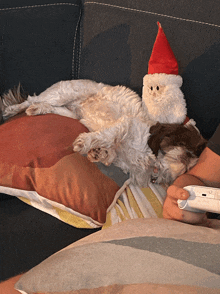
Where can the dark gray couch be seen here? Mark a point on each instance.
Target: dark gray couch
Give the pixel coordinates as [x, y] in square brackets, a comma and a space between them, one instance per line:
[109, 41]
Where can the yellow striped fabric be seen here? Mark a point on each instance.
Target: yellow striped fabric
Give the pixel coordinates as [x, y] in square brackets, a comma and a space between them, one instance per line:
[130, 202]
[134, 202]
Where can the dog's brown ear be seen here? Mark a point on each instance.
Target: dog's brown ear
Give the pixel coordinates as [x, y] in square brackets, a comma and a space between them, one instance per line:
[155, 138]
[201, 146]
[197, 141]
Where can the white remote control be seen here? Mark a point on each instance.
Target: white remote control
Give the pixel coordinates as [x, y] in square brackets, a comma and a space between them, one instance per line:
[201, 199]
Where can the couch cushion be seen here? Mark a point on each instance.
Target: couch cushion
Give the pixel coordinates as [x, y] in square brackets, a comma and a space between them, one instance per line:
[38, 165]
[29, 236]
[136, 256]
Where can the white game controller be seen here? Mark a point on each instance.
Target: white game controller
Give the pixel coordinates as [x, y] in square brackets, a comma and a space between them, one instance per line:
[201, 199]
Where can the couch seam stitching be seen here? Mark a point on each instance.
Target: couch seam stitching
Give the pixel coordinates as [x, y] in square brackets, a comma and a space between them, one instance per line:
[153, 13]
[49, 5]
[36, 6]
[74, 48]
[80, 46]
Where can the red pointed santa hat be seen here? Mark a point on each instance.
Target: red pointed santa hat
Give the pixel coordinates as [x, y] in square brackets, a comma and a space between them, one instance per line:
[163, 69]
[162, 59]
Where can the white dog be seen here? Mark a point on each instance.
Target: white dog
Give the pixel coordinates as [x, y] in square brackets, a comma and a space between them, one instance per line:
[119, 125]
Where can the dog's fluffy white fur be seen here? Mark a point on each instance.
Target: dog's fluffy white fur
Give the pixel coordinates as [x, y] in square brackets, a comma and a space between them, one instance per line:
[119, 126]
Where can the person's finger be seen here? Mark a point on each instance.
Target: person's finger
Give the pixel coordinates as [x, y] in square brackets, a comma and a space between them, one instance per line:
[173, 212]
[177, 192]
[171, 209]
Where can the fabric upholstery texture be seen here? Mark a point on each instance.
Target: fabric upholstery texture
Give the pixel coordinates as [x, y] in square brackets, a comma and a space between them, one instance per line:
[42, 170]
[29, 236]
[133, 202]
[39, 43]
[133, 256]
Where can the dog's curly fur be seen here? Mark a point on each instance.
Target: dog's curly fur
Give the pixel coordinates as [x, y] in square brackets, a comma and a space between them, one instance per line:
[120, 129]
[177, 148]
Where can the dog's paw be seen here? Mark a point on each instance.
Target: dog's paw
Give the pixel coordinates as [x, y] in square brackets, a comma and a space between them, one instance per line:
[82, 143]
[97, 154]
[106, 156]
[39, 108]
[32, 110]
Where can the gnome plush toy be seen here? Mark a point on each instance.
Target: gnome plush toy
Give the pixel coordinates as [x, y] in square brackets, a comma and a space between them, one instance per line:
[161, 86]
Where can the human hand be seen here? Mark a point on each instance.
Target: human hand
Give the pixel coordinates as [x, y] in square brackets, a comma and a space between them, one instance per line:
[173, 212]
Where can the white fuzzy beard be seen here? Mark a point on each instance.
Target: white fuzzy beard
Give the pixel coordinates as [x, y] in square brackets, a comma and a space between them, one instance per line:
[163, 98]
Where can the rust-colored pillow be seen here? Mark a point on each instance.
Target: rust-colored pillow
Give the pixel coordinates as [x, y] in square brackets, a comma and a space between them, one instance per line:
[38, 165]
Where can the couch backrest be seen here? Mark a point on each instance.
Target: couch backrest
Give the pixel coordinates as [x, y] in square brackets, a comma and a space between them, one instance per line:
[111, 41]
[118, 39]
[39, 43]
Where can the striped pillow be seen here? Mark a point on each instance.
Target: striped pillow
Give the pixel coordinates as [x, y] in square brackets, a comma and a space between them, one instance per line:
[136, 256]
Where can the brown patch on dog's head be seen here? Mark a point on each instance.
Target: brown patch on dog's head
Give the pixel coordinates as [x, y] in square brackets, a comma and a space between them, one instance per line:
[166, 136]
